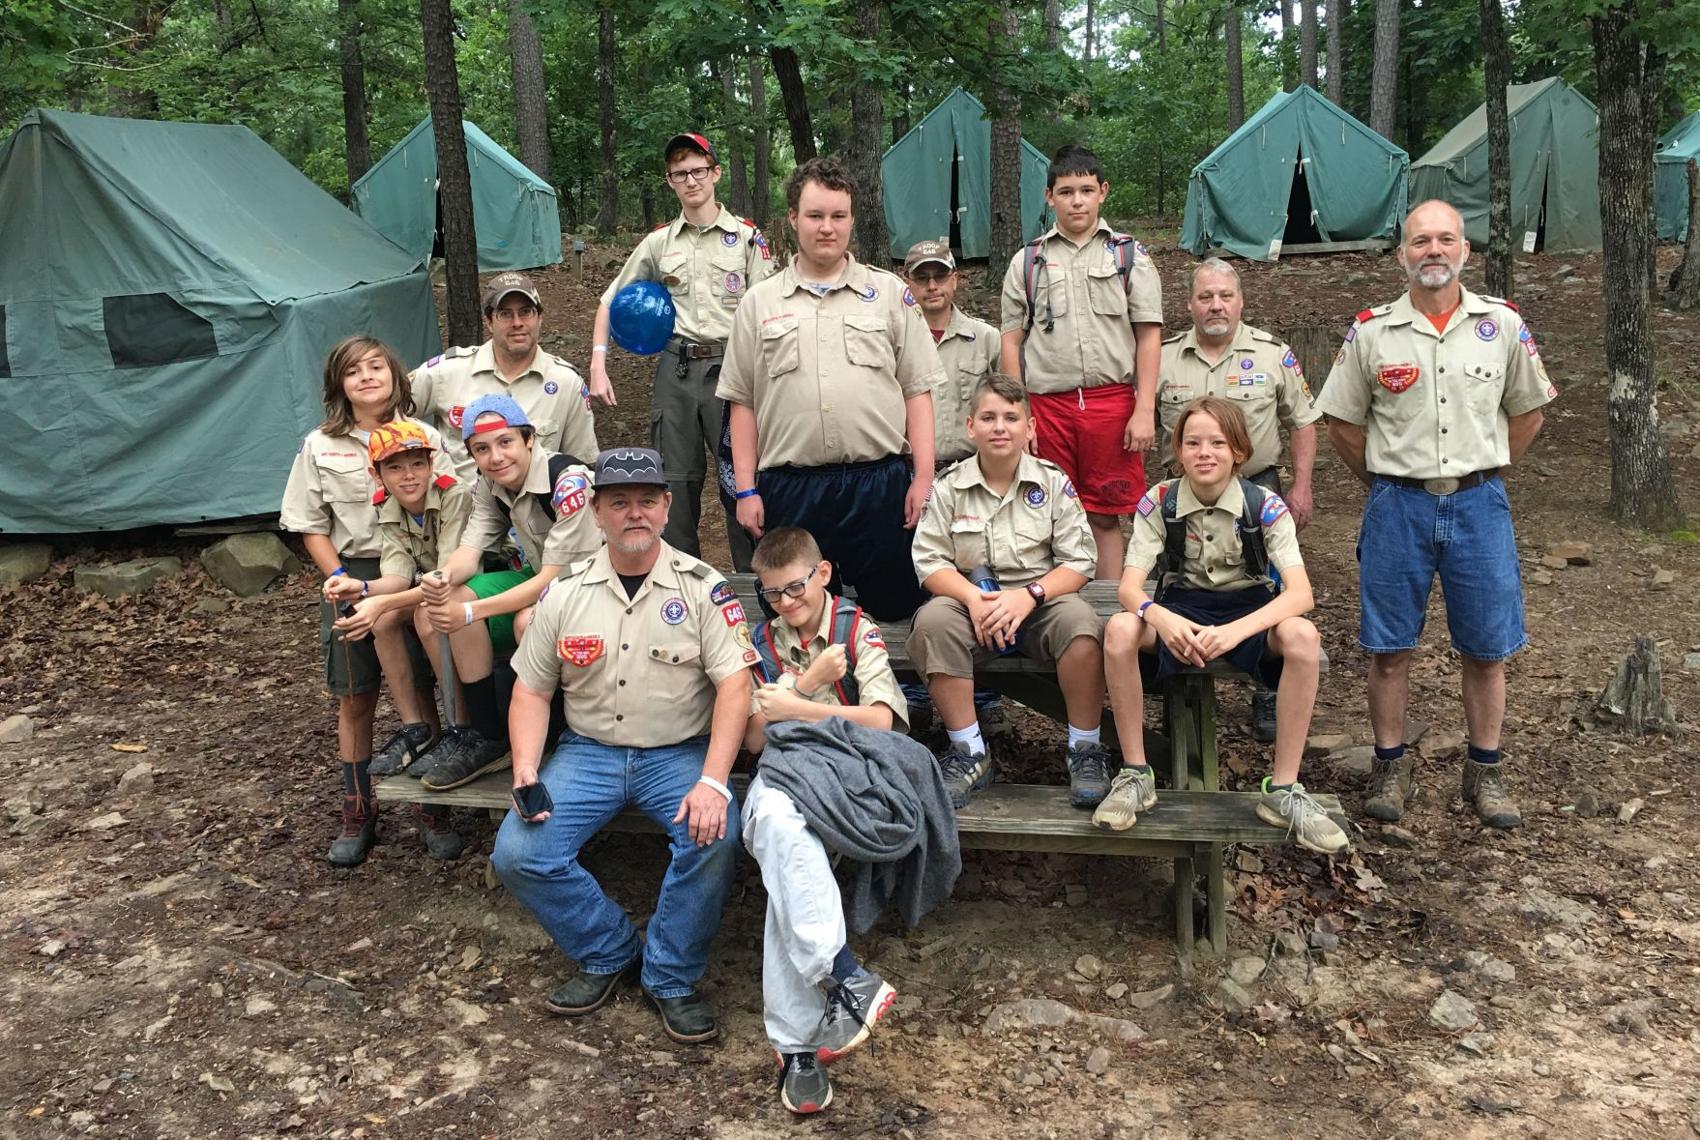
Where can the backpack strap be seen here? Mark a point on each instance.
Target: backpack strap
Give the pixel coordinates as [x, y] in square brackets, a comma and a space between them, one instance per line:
[1253, 548]
[557, 465]
[1032, 262]
[1173, 558]
[846, 631]
[1122, 246]
[767, 665]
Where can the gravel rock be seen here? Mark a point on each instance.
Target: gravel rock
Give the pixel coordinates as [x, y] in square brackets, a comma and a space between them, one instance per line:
[257, 1006]
[16, 729]
[1322, 744]
[1587, 805]
[1027, 1013]
[1116, 992]
[24, 562]
[138, 781]
[116, 579]
[1629, 810]
[1395, 836]
[245, 564]
[1489, 967]
[1663, 578]
[1478, 1042]
[105, 822]
[1322, 940]
[1150, 999]
[1573, 552]
[1453, 1012]
[1088, 967]
[1356, 760]
[1245, 971]
[1537, 902]
[1691, 661]
[1442, 742]
[1233, 996]
[19, 807]
[1291, 943]
[1098, 1061]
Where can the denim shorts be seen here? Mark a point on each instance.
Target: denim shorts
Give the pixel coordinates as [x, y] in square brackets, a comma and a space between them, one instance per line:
[1407, 537]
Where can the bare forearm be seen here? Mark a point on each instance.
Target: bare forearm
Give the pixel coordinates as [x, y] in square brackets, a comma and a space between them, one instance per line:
[1348, 442]
[1009, 352]
[1302, 443]
[1147, 357]
[1521, 431]
[513, 600]
[528, 730]
[950, 583]
[1060, 581]
[323, 553]
[726, 729]
[744, 446]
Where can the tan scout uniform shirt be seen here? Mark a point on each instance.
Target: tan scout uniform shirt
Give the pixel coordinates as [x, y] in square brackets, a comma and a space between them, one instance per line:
[1214, 559]
[413, 548]
[550, 392]
[636, 672]
[1037, 526]
[330, 490]
[1436, 404]
[557, 537]
[827, 375]
[876, 684]
[707, 269]
[968, 350]
[1259, 374]
[1078, 287]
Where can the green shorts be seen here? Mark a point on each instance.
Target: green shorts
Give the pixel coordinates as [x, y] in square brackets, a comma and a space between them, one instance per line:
[502, 625]
[351, 667]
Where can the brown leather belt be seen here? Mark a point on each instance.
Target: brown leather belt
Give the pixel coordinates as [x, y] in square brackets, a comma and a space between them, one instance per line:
[1445, 486]
[693, 350]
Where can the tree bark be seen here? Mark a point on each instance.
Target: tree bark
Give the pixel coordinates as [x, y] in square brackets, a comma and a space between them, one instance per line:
[734, 141]
[1307, 42]
[1642, 489]
[1496, 65]
[531, 103]
[357, 147]
[761, 189]
[867, 136]
[1384, 80]
[1091, 31]
[454, 180]
[608, 216]
[1236, 67]
[900, 122]
[1289, 60]
[795, 99]
[1336, 74]
[1634, 699]
[1162, 27]
[1005, 159]
[1685, 282]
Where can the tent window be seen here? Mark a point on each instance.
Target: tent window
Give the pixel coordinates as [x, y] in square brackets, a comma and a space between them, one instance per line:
[5, 360]
[150, 329]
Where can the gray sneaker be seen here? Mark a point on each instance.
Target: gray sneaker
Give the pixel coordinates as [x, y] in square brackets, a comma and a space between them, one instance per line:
[1132, 791]
[964, 774]
[803, 1085]
[1088, 774]
[852, 1009]
[1292, 808]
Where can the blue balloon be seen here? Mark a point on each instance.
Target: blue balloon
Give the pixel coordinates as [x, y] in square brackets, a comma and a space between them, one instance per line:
[641, 317]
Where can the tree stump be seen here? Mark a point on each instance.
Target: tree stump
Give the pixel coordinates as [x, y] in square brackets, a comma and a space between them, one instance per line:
[1635, 700]
[1315, 346]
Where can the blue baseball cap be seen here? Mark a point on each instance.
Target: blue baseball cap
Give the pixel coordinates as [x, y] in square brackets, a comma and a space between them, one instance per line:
[495, 404]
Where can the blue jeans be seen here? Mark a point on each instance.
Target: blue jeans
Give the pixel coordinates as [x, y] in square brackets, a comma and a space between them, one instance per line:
[591, 783]
[1408, 536]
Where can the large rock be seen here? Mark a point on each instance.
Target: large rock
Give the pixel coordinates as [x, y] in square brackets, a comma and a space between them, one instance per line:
[116, 579]
[16, 729]
[24, 562]
[1453, 1011]
[245, 564]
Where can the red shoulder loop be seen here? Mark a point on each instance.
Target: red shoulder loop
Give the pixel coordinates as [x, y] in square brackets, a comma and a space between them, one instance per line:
[1366, 315]
[1162, 489]
[378, 497]
[444, 482]
[1512, 305]
[751, 222]
[661, 227]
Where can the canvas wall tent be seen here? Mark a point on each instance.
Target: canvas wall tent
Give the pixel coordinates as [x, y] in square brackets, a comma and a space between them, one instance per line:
[514, 212]
[1299, 172]
[1555, 168]
[937, 181]
[1670, 176]
[168, 292]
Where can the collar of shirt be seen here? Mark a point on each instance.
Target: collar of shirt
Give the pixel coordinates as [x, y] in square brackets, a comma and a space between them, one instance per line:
[484, 360]
[724, 220]
[786, 639]
[1240, 344]
[391, 510]
[1103, 227]
[968, 474]
[1405, 313]
[663, 575]
[855, 276]
[1232, 500]
[958, 326]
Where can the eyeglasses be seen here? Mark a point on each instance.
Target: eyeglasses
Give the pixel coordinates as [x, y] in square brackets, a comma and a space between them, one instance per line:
[513, 315]
[694, 174]
[929, 278]
[793, 590]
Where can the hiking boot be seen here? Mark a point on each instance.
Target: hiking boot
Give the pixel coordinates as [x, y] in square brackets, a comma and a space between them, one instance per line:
[402, 750]
[586, 993]
[359, 832]
[992, 713]
[1390, 785]
[689, 1019]
[1306, 823]
[1262, 716]
[964, 773]
[474, 755]
[1484, 790]
[441, 839]
[1088, 774]
[803, 1084]
[852, 1009]
[1132, 791]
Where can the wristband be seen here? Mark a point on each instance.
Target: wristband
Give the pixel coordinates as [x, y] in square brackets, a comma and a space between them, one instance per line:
[599, 348]
[750, 494]
[1143, 606]
[469, 613]
[365, 588]
[338, 572]
[717, 786]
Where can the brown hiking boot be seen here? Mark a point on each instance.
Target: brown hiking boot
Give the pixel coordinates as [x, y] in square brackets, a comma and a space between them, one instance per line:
[359, 832]
[1484, 790]
[1390, 786]
[441, 839]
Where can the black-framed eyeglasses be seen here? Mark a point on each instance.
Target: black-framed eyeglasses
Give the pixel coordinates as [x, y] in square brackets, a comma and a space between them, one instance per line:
[791, 590]
[694, 174]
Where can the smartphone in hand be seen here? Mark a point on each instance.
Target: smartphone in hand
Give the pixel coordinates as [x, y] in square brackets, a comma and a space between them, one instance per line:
[532, 800]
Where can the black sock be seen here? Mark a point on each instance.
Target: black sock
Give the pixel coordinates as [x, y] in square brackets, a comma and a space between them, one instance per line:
[1484, 755]
[1397, 752]
[355, 781]
[483, 709]
[844, 964]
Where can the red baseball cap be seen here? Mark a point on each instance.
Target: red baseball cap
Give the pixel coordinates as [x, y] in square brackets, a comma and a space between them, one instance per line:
[692, 141]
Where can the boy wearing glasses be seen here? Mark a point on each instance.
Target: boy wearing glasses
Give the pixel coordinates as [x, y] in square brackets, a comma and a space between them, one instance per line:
[708, 259]
[511, 364]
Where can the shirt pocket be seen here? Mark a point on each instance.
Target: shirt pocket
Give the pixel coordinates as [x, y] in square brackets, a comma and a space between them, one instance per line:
[867, 343]
[675, 273]
[1485, 386]
[675, 671]
[1104, 289]
[343, 479]
[968, 545]
[1050, 296]
[1034, 533]
[727, 279]
[781, 347]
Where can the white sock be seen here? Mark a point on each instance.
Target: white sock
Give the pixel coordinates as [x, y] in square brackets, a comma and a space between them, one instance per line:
[969, 736]
[1084, 736]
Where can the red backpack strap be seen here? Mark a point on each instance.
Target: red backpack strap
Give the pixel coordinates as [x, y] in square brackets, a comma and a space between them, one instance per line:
[846, 631]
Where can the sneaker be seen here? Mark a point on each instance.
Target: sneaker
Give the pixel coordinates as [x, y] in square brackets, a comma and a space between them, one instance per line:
[474, 755]
[803, 1084]
[1291, 807]
[1484, 790]
[403, 749]
[1088, 774]
[1132, 791]
[446, 745]
[964, 774]
[992, 713]
[853, 1007]
[1391, 783]
[586, 993]
[687, 1019]
[441, 839]
[1262, 716]
[359, 832]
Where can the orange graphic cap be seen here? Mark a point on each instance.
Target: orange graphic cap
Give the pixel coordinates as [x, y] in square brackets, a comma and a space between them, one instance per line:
[395, 438]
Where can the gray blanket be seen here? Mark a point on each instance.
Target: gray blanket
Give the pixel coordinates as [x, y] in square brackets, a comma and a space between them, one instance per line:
[877, 798]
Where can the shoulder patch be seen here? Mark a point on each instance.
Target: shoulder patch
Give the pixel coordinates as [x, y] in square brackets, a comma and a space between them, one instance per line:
[571, 493]
[1274, 506]
[444, 482]
[1151, 500]
[433, 361]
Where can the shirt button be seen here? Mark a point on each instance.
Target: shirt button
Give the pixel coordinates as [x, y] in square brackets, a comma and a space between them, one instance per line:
[1443, 368]
[622, 682]
[628, 611]
[623, 646]
[1443, 399]
[1442, 431]
[619, 716]
[675, 657]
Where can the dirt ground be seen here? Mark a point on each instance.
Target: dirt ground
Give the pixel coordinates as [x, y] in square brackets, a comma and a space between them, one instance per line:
[177, 960]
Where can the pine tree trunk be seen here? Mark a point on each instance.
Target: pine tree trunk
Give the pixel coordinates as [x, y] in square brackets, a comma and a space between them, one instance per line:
[1091, 30]
[734, 141]
[357, 148]
[789, 74]
[1384, 81]
[761, 188]
[900, 122]
[608, 216]
[1642, 489]
[1236, 67]
[1685, 282]
[1496, 66]
[1005, 109]
[1336, 75]
[867, 138]
[1289, 57]
[1307, 42]
[454, 180]
[531, 104]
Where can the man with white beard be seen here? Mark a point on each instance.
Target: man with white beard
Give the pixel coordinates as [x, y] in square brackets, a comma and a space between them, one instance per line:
[1430, 399]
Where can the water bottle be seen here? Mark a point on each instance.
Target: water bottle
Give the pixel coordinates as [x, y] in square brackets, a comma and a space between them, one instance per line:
[986, 583]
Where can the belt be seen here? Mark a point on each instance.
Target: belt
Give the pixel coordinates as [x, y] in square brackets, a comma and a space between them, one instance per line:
[1444, 486]
[694, 350]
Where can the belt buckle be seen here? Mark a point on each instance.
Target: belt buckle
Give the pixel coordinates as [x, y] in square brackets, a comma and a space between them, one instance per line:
[1441, 486]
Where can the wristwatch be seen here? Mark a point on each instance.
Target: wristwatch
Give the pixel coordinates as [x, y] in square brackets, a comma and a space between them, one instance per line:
[1037, 592]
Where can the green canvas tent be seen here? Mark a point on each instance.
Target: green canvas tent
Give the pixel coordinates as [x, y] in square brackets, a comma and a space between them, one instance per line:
[938, 181]
[1555, 168]
[1299, 172]
[514, 212]
[1670, 176]
[168, 292]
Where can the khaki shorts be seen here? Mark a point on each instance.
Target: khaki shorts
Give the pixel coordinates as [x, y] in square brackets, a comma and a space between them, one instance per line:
[941, 640]
[351, 667]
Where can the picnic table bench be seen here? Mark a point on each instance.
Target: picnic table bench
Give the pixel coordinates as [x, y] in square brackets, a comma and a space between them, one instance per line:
[1193, 823]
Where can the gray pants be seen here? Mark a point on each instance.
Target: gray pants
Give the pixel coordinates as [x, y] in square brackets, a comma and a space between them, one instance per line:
[684, 426]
